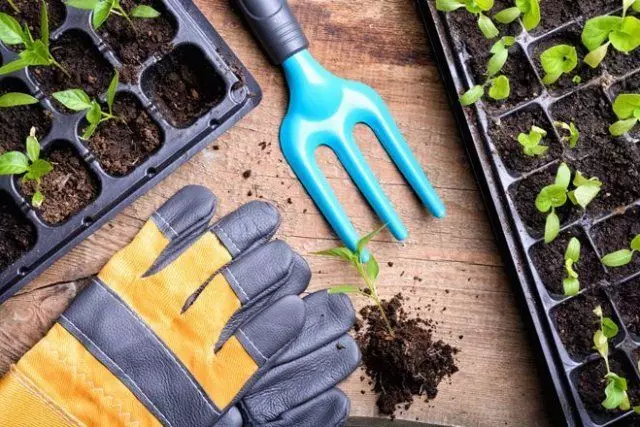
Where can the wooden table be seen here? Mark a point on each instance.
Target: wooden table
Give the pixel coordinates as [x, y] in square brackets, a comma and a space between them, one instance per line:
[452, 264]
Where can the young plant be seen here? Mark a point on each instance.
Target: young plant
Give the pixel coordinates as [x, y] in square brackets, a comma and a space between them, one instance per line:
[16, 99]
[368, 271]
[78, 100]
[574, 134]
[623, 256]
[558, 60]
[29, 165]
[627, 108]
[529, 10]
[531, 142]
[571, 284]
[475, 7]
[102, 9]
[499, 86]
[36, 52]
[621, 32]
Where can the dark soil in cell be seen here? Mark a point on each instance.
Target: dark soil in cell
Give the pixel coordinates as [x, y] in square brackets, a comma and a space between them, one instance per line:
[504, 135]
[619, 64]
[184, 85]
[591, 112]
[616, 233]
[16, 122]
[627, 299]
[30, 14]
[120, 147]
[597, 7]
[17, 235]
[150, 36]
[555, 13]
[68, 189]
[577, 323]
[89, 70]
[549, 262]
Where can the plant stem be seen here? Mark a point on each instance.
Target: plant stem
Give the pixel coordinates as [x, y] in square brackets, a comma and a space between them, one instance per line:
[118, 10]
[57, 64]
[374, 296]
[13, 6]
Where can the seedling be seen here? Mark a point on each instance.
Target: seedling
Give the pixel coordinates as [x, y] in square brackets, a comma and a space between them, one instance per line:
[475, 7]
[558, 60]
[621, 32]
[529, 10]
[574, 134]
[627, 108]
[102, 9]
[531, 142]
[499, 86]
[29, 165]
[368, 271]
[556, 195]
[16, 99]
[623, 256]
[571, 284]
[78, 100]
[36, 52]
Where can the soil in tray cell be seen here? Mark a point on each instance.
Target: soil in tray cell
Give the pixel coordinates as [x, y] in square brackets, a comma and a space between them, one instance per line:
[17, 235]
[504, 134]
[68, 189]
[150, 36]
[15, 122]
[592, 8]
[554, 14]
[76, 52]
[576, 323]
[120, 147]
[30, 14]
[629, 85]
[616, 233]
[627, 299]
[184, 85]
[590, 110]
[549, 262]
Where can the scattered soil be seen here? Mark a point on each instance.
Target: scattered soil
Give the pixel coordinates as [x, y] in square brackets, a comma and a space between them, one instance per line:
[549, 262]
[184, 85]
[68, 189]
[15, 122]
[504, 135]
[76, 52]
[576, 322]
[615, 233]
[30, 13]
[17, 235]
[627, 299]
[410, 363]
[120, 147]
[150, 36]
[619, 64]
[555, 13]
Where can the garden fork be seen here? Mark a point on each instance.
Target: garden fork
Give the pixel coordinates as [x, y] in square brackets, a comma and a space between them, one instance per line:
[323, 110]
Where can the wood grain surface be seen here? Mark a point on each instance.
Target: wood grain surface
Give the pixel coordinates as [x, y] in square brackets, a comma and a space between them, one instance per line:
[451, 264]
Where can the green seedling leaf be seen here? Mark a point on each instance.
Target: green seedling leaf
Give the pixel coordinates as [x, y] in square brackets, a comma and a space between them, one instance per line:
[552, 227]
[576, 79]
[362, 243]
[596, 30]
[484, 5]
[563, 176]
[586, 190]
[344, 289]
[601, 344]
[596, 56]
[38, 169]
[111, 91]
[574, 134]
[621, 127]
[82, 4]
[570, 286]
[616, 393]
[551, 196]
[73, 99]
[508, 15]
[89, 131]
[558, 60]
[13, 66]
[500, 54]
[372, 269]
[499, 88]
[627, 37]
[626, 104]
[472, 96]
[13, 163]
[487, 27]
[33, 147]
[145, 12]
[15, 99]
[530, 13]
[571, 272]
[44, 24]
[609, 328]
[573, 250]
[531, 142]
[11, 32]
[448, 5]
[635, 243]
[101, 13]
[38, 199]
[340, 252]
[618, 258]
[94, 113]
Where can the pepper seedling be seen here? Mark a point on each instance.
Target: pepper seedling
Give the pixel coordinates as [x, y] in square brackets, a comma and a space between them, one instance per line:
[29, 165]
[558, 60]
[531, 142]
[499, 86]
[627, 109]
[78, 100]
[571, 284]
[475, 7]
[102, 9]
[368, 271]
[36, 51]
[623, 256]
[529, 10]
[621, 32]
[16, 99]
[574, 134]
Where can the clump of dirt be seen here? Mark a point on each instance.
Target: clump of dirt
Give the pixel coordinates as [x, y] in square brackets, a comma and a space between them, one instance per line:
[409, 363]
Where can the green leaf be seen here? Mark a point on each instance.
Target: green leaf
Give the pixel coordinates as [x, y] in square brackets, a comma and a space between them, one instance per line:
[558, 60]
[609, 328]
[552, 227]
[448, 5]
[73, 99]
[487, 26]
[111, 91]
[33, 148]
[13, 163]
[472, 96]
[531, 18]
[596, 56]
[615, 394]
[573, 250]
[636, 6]
[101, 13]
[586, 190]
[601, 343]
[551, 196]
[13, 66]
[15, 99]
[531, 142]
[596, 30]
[574, 134]
[570, 286]
[82, 4]
[627, 37]
[37, 199]
[372, 269]
[10, 30]
[362, 243]
[499, 88]
[143, 11]
[626, 104]
[344, 289]
[89, 131]
[635, 243]
[622, 126]
[571, 272]
[507, 16]
[484, 5]
[44, 23]
[576, 79]
[94, 113]
[38, 169]
[618, 258]
[563, 176]
[340, 252]
[37, 54]
[497, 60]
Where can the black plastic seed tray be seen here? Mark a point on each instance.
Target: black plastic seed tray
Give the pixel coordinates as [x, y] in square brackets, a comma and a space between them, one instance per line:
[196, 42]
[563, 327]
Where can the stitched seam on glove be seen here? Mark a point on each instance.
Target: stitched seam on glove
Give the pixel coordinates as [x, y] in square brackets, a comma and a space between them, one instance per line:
[226, 236]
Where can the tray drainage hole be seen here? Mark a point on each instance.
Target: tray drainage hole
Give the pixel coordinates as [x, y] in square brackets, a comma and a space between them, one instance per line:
[87, 221]
[22, 271]
[151, 172]
[214, 123]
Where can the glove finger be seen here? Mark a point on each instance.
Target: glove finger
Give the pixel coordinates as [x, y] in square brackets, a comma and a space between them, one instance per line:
[287, 386]
[330, 409]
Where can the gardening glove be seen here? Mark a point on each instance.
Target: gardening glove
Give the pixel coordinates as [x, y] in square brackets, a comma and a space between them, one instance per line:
[300, 389]
[137, 346]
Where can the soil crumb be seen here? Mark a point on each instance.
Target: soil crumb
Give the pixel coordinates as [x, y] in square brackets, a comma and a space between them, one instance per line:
[410, 363]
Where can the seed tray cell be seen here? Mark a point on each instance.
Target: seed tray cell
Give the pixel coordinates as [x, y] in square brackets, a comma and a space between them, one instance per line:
[510, 183]
[179, 97]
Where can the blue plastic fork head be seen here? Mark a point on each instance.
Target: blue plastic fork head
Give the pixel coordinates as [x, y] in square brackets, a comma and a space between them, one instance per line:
[324, 110]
